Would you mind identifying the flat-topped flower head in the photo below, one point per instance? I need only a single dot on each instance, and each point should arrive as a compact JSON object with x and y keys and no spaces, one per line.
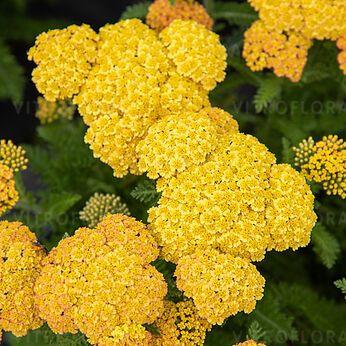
{"x":99,"y":281}
{"x":8,"y":194}
{"x":20,"y":265}
{"x":220,"y":285}
{"x":64,"y":59}
{"x":162,"y":12}
{"x":196,"y":52}
{"x":13,"y":156}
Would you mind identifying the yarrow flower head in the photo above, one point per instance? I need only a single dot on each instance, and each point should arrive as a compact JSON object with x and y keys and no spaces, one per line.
{"x":181,"y":325}
{"x":196,"y":52}
{"x":266,"y":48}
{"x":99,"y":205}
{"x":130,"y":78}
{"x":99,"y":281}
{"x":12,"y":156}
{"x":48,"y":111}
{"x":162,"y":12}
{"x":223,"y":204}
{"x":20,"y":264}
{"x":8,"y":193}
{"x":327,"y":165}
{"x":64,"y":58}
{"x":219,"y":284}
{"x":280,"y":39}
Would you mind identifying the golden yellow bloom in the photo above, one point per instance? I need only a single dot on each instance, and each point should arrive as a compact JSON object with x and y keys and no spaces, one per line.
{"x":48,"y":111}
{"x":196,"y":52}
{"x":12,"y":156}
{"x":180,"y":325}
{"x":161,"y":13}
{"x":249,"y":343}
{"x":341,"y":43}
{"x":8,"y":193}
{"x":219,"y":284}
{"x":99,"y":281}
{"x":303,"y":152}
{"x":289,"y":213}
{"x":218,"y":204}
{"x":282,"y":36}
{"x":285,"y":52}
{"x":176,"y":143}
{"x":64,"y":59}
{"x":132,"y":85}
{"x":99,"y":205}
{"x":327,"y":165}
{"x":20,"y":264}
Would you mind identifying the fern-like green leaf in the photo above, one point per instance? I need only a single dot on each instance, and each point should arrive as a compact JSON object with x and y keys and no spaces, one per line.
{"x":11,"y":75}
{"x":136,"y":11}
{"x":255,"y":331}
{"x":304,"y":303}
{"x":269,"y":89}
{"x":146,"y":192}
{"x":239,"y":14}
{"x":325,"y":245}
{"x":341,"y":284}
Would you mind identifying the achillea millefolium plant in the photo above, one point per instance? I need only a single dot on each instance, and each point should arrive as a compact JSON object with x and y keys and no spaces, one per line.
{"x":193,"y":200}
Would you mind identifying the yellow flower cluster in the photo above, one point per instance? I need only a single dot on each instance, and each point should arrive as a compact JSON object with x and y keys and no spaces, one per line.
{"x":326,"y":164}
{"x":221,"y":285}
{"x":341,"y":43}
{"x":137,"y":78}
{"x":180,"y":325}
{"x":12,"y":156}
{"x":99,"y":205}
{"x":196,"y":52}
{"x":8,"y":193}
{"x":285,"y":53}
{"x":20,"y":264}
{"x":161,"y":13}
{"x":64,"y":59}
{"x":249,"y":343}
{"x":48,"y":111}
{"x":220,"y":204}
{"x":280,"y":39}
{"x":234,"y":206}
{"x":100,"y":282}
